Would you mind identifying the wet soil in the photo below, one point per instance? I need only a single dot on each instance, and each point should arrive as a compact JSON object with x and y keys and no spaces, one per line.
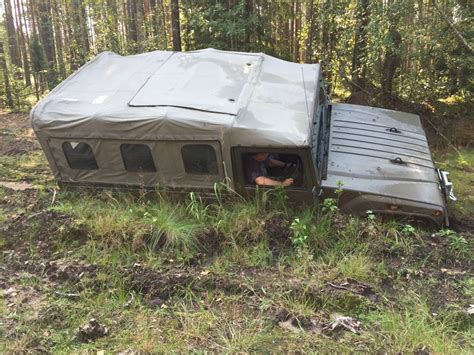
{"x":278,"y":231}
{"x":16,"y":135}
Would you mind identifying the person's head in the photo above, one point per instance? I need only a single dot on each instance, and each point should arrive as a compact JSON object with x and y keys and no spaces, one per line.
{"x":260,"y":156}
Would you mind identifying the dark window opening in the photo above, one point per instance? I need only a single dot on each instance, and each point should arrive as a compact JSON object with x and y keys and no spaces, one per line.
{"x":199,"y":159}
{"x":137,"y":158}
{"x":275,"y":169}
{"x":79,"y":155}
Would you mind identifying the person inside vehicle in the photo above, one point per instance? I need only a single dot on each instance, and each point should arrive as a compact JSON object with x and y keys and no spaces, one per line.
{"x":256,"y":170}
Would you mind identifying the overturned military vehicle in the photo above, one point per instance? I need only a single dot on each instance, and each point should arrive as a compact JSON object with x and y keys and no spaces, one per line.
{"x":187,"y":120}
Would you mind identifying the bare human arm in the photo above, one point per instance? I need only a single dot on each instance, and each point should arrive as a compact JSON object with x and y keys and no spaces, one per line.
{"x":265,"y":181}
{"x":276,"y":163}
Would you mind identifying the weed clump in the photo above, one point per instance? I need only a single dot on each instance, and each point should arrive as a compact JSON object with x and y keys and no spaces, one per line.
{"x":172,"y":228}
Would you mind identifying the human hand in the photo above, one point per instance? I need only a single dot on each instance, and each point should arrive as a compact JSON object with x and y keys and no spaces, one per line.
{"x":288,"y":182}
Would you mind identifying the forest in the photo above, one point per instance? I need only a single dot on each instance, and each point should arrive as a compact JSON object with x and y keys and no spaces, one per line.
{"x":96,"y":269}
{"x":416,"y":50}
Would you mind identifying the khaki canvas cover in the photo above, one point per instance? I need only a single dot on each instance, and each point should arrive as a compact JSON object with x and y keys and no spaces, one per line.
{"x":166,"y":99}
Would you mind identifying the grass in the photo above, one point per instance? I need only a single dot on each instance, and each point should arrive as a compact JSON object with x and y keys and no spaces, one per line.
{"x":31,"y":167}
{"x":355,"y":266}
{"x":461,"y":168}
{"x":412,"y":327}
{"x":221,"y":273}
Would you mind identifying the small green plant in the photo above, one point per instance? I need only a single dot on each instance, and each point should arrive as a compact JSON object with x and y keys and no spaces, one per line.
{"x":300,"y":236}
{"x":457,"y":243}
{"x":370,"y":216}
{"x":197,"y":208}
{"x":330,"y":206}
{"x":339,"y":190}
{"x":408,"y":230}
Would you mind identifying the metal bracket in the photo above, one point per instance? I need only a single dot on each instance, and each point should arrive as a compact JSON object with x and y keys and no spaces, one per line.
{"x":446,"y":185}
{"x":398,"y":160}
{"x":394,"y":130}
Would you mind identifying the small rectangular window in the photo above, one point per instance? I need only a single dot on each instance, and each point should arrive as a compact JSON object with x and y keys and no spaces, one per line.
{"x":79,"y":155}
{"x":199,"y":159}
{"x":276,"y":169}
{"x":137,"y":158}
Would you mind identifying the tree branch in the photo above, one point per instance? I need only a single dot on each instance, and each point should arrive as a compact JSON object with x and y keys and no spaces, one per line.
{"x":458,"y":34}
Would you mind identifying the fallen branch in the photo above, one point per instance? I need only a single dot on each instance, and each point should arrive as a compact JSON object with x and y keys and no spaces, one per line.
{"x":339,"y":287}
{"x":67,"y":295}
{"x":54,"y":197}
{"x":442,"y":135}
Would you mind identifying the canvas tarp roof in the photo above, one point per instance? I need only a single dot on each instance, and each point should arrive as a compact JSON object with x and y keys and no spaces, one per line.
{"x":166,"y":100}
{"x":236,"y":98}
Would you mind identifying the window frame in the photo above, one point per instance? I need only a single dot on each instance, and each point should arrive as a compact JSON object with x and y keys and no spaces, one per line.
{"x":199,"y":173}
{"x":138,"y":171}
{"x":67,"y":156}
{"x":304,"y":153}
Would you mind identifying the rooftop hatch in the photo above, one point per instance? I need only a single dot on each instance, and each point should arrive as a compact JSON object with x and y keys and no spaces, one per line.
{"x":206,"y":80}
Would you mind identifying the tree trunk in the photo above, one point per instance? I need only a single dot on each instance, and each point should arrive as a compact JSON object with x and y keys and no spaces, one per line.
{"x":37,"y":61}
{"x":6,"y":80}
{"x":81,"y":46}
{"x":309,"y":38}
{"x":392,"y":58}
{"x":163,"y":23}
{"x":22,"y":44}
{"x":328,"y":42}
{"x":296,"y":30}
{"x":325,"y":30}
{"x":113,"y":35}
{"x":132,"y":33}
{"x":46,"y":31}
{"x":13,"y":47}
{"x":45,"y":28}
{"x":33,"y":14}
{"x":140,"y":25}
{"x":59,"y":40}
{"x":331,"y":50}
{"x":360,"y":46}
{"x":248,"y":31}
{"x":84,"y":30}
{"x":291,"y":35}
{"x":175,"y":25}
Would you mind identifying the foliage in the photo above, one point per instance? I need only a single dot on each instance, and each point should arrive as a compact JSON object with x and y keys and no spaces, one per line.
{"x":38,"y":62}
{"x":457,"y":243}
{"x":413,"y":49}
{"x":300,"y":235}
{"x":172,"y":228}
{"x":330,"y":205}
